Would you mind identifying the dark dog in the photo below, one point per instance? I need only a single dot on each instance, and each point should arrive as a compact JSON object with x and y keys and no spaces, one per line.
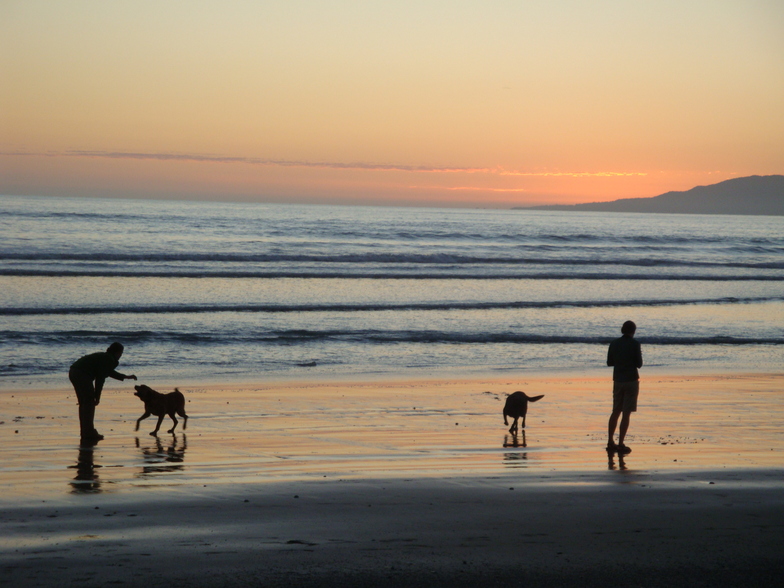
{"x":517,"y":406}
{"x":160,"y":405}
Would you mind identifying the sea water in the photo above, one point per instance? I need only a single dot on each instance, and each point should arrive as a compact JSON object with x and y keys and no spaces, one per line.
{"x":207,"y":291}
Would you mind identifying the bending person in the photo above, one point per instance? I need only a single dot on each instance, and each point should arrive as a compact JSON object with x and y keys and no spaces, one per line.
{"x":87,"y":374}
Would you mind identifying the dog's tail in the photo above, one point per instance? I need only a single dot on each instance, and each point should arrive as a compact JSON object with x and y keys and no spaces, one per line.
{"x":534,"y":398}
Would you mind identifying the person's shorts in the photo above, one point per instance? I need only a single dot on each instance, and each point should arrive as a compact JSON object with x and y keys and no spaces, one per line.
{"x":625,"y":396}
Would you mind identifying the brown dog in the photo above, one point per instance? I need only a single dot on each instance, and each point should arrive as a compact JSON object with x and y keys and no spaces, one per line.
{"x":517,"y":406}
{"x":160,"y":405}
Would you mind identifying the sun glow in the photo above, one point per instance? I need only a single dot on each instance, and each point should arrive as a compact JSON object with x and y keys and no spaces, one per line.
{"x":270,"y":101}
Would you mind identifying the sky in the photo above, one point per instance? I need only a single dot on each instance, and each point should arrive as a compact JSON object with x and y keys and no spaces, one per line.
{"x":444,"y":103}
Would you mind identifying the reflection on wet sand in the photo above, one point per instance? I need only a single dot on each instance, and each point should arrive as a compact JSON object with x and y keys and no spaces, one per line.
{"x":369,"y":430}
{"x":513,"y":458}
{"x":611,"y":461}
{"x":159,"y":459}
{"x":515,"y":442}
{"x":86,"y":480}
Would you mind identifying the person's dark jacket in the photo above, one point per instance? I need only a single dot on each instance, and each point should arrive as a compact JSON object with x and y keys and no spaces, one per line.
{"x":625,"y":355}
{"x":98,"y":367}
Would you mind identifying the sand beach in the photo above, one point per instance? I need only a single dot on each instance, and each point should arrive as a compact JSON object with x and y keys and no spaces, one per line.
{"x":398,"y":483}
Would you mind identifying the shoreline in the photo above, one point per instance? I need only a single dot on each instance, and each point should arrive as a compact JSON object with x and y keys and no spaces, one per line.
{"x":648,"y":372}
{"x":604,"y":373}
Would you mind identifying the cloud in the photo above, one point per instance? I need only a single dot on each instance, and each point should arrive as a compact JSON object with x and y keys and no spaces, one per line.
{"x":572,"y":174}
{"x":364,"y":166}
{"x":469,"y":188}
{"x":258,"y":161}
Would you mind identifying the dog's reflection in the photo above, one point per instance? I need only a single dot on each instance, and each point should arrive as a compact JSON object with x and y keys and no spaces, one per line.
{"x":86,"y":480}
{"x":159,"y":459}
{"x":516,"y":440}
{"x":514,"y":458}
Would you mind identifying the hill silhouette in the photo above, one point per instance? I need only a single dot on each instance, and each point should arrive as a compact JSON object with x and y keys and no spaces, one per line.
{"x":754,"y":195}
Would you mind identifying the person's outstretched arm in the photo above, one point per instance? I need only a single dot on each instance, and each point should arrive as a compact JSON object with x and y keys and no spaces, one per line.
{"x":118,"y":376}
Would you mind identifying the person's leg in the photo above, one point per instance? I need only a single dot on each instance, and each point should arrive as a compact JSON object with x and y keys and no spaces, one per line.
{"x":616,"y":413}
{"x":631,"y":391}
{"x":624,"y":426}
{"x":611,"y":426}
{"x":86,"y":417}
{"x":85,"y":395}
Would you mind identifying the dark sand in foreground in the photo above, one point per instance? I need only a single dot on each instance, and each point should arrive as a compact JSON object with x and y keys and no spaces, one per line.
{"x":365,"y":488}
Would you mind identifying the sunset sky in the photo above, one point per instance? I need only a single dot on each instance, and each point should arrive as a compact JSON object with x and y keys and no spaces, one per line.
{"x":450,"y":103}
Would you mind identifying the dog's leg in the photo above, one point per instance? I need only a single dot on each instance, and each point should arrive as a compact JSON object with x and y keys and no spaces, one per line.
{"x":158,"y":426}
{"x":141,"y":418}
{"x":171,"y":414}
{"x":513,"y":428}
{"x":181,"y":412}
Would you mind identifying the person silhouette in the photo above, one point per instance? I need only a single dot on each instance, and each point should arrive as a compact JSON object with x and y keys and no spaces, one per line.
{"x":87,"y":374}
{"x":625,"y":357}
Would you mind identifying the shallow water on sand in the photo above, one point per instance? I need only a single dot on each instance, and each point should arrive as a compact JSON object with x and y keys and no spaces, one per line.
{"x":263,"y":433}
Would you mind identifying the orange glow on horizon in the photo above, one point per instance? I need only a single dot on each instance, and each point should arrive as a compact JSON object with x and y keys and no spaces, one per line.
{"x":191,"y":178}
{"x":521,"y":104}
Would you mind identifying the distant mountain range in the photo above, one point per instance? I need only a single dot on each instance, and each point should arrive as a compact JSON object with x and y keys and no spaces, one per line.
{"x":759,"y":195}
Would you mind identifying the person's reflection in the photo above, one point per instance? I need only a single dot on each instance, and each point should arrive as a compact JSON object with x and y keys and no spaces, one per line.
{"x":160,"y":459}
{"x":86,"y":480}
{"x":611,"y":461}
{"x":514,"y":458}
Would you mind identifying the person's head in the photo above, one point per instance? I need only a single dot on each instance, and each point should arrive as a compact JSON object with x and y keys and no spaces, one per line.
{"x":628,"y":328}
{"x":115,"y":349}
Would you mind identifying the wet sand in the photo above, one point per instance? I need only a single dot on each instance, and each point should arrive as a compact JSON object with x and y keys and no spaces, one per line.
{"x":398,"y":484}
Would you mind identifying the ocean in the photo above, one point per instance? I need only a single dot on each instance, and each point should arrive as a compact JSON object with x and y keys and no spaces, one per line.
{"x":220,"y":292}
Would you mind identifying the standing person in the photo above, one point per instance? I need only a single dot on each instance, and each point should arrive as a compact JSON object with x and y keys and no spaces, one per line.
{"x":87,"y":374}
{"x":625,"y":355}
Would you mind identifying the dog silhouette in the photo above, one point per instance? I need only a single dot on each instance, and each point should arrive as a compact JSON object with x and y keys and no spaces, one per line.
{"x":516,"y":406}
{"x":160,"y":405}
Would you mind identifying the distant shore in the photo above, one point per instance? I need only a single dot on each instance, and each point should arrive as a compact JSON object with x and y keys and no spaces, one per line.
{"x":751,"y":195}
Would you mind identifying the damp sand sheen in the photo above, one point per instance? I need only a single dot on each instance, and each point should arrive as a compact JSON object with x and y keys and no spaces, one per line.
{"x":324,"y":480}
